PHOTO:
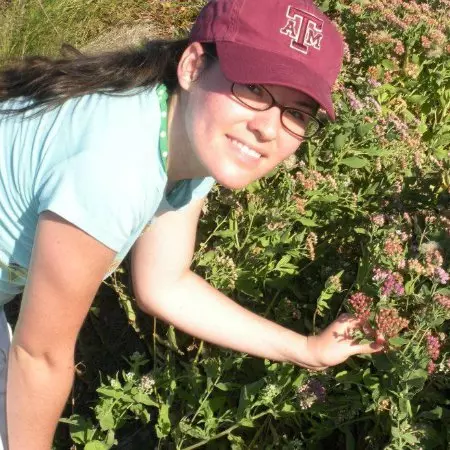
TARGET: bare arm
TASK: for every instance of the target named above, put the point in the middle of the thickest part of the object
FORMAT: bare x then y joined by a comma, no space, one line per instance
166,287
65,272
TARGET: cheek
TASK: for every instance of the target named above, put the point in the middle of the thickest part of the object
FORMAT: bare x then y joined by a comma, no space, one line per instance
287,145
209,116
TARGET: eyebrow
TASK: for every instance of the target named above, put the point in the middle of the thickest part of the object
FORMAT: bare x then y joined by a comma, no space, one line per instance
313,107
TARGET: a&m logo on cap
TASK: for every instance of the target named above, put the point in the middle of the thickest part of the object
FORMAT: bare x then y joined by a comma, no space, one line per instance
304,29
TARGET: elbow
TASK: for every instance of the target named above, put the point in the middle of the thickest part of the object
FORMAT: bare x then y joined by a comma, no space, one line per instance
52,360
147,303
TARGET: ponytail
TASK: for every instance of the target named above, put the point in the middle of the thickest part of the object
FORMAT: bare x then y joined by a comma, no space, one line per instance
49,82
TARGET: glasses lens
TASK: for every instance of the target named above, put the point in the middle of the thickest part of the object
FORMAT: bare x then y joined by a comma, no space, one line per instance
252,95
300,123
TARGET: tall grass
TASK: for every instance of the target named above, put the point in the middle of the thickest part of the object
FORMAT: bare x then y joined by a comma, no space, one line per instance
30,27
40,26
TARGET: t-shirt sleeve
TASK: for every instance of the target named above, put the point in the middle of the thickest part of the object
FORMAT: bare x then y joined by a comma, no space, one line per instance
185,193
88,192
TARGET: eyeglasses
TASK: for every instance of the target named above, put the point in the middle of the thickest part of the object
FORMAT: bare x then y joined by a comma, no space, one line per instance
296,121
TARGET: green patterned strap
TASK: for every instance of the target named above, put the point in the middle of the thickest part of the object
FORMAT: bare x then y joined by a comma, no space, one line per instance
163,97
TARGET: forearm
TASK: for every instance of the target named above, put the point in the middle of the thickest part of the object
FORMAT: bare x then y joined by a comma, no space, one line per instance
37,390
194,306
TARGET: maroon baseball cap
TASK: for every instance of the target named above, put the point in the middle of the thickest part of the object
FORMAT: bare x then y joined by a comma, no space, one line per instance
283,42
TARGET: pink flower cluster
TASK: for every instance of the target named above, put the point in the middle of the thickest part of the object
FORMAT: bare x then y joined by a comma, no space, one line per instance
443,300
378,220
434,261
389,324
433,350
313,391
355,103
441,275
311,242
300,204
393,246
361,304
313,178
432,267
392,282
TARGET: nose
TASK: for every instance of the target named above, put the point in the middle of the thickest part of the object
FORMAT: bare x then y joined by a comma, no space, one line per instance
265,124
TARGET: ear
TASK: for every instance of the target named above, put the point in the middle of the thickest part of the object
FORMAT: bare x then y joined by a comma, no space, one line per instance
191,65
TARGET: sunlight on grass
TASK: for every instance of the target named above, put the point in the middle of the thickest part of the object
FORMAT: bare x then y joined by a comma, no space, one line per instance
30,27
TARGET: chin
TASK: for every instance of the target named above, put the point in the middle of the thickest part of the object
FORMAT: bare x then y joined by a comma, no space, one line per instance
232,182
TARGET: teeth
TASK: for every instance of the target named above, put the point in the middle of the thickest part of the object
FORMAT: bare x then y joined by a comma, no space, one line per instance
247,150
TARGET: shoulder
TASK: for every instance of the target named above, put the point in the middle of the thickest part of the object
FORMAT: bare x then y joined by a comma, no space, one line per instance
127,118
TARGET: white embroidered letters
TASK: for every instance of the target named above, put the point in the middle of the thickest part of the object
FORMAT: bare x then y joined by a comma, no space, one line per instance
304,29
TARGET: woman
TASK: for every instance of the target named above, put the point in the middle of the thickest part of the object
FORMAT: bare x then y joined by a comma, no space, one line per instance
101,154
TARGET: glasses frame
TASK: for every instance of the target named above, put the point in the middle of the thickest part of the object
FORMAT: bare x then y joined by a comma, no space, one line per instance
282,110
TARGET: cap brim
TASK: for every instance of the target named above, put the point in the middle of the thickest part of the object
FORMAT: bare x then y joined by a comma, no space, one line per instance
243,64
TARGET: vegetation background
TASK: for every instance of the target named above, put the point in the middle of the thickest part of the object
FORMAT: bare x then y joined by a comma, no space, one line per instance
358,221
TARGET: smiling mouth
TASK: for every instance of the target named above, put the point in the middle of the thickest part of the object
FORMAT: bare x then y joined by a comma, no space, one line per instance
246,150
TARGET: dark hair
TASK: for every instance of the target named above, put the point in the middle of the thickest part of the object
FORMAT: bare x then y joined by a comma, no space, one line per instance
49,82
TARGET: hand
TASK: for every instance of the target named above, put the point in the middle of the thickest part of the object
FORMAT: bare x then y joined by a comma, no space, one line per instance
336,343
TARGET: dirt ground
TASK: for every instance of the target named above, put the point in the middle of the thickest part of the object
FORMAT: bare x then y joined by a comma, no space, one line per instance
125,36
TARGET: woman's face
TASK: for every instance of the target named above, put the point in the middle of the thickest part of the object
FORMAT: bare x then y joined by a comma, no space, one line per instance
233,143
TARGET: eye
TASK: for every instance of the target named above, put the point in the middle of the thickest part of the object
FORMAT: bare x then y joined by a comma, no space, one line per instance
298,115
255,89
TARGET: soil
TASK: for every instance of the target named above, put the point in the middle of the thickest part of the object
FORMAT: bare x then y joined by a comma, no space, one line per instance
123,37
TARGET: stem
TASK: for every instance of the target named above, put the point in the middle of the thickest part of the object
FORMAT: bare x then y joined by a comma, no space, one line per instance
210,236
154,343
249,228
223,433
268,309
260,430
208,393
200,349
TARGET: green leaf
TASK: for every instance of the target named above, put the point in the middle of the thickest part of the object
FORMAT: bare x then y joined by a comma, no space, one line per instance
110,439
172,338
163,426
144,399
373,151
96,445
206,258
398,341
225,387
329,198
416,378
405,406
388,64
350,443
325,5
287,408
248,423
410,438
106,421
248,393
307,222
81,430
364,128
444,140
109,392
354,162
417,99
434,414
339,141
348,377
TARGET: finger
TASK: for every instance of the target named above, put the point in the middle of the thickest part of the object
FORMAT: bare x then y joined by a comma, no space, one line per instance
348,319
373,347
379,338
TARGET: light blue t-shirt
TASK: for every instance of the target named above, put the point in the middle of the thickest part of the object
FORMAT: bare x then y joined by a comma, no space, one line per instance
95,162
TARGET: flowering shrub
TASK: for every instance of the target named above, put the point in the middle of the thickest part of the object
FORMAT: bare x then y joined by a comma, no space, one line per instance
359,220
